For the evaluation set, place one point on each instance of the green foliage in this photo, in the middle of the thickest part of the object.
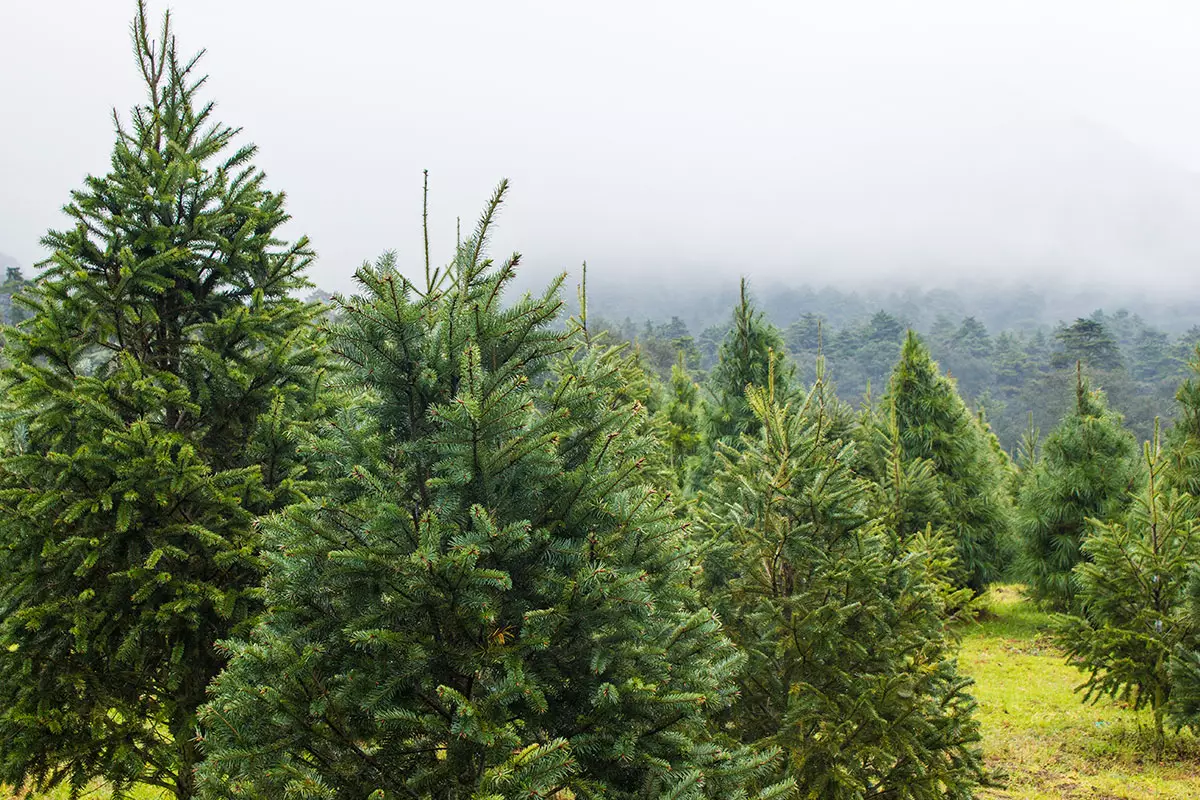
(1184, 437)
(1026, 365)
(1086, 471)
(752, 350)
(850, 671)
(1133, 591)
(1183, 475)
(14, 284)
(908, 498)
(682, 418)
(489, 600)
(933, 423)
(1087, 341)
(153, 401)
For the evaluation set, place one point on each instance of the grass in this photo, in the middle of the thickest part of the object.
(98, 793)
(1047, 744)
(1036, 730)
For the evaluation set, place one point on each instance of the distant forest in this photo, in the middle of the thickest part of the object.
(1012, 351)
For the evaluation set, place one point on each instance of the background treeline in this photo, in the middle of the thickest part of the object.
(1010, 374)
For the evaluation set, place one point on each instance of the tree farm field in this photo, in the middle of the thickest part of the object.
(1044, 743)
(1037, 734)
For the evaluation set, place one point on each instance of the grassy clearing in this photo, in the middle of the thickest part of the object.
(1037, 731)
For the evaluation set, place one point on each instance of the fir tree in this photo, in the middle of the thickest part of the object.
(1183, 475)
(1029, 450)
(751, 349)
(152, 403)
(934, 423)
(1086, 471)
(1087, 341)
(850, 672)
(489, 601)
(12, 313)
(908, 499)
(744, 359)
(1133, 590)
(682, 424)
(1184, 437)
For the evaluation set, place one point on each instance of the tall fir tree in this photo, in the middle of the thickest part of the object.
(682, 425)
(850, 670)
(752, 347)
(1086, 471)
(1184, 437)
(153, 401)
(490, 601)
(1133, 589)
(1182, 475)
(934, 423)
(908, 498)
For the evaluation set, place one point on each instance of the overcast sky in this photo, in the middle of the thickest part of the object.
(812, 140)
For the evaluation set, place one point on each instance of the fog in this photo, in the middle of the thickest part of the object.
(804, 142)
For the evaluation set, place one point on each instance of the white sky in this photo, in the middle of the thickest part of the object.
(810, 139)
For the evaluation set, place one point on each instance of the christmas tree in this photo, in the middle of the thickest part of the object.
(682, 425)
(749, 350)
(1086, 471)
(489, 600)
(153, 401)
(850, 670)
(1184, 438)
(932, 422)
(1133, 589)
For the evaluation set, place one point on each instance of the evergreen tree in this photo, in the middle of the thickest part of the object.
(752, 348)
(744, 359)
(850, 672)
(152, 404)
(1184, 437)
(908, 496)
(489, 601)
(1133, 590)
(682, 423)
(12, 313)
(804, 335)
(1086, 471)
(934, 423)
(1183, 475)
(1087, 341)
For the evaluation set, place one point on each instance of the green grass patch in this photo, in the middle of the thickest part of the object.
(1038, 732)
(99, 792)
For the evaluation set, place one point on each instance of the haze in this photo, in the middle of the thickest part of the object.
(810, 142)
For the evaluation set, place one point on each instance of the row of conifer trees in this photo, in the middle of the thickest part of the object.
(1110, 539)
(438, 541)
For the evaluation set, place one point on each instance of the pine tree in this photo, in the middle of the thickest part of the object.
(908, 496)
(1086, 471)
(489, 601)
(934, 423)
(682, 425)
(15, 283)
(1182, 474)
(153, 401)
(751, 348)
(744, 359)
(850, 672)
(1184, 438)
(1029, 451)
(1133, 590)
